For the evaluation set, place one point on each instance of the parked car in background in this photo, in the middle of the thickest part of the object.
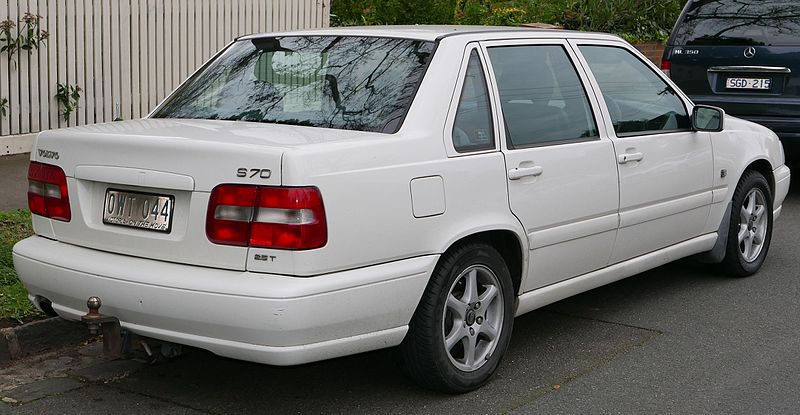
(742, 56)
(315, 194)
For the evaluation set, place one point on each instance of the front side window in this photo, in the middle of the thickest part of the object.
(472, 130)
(352, 83)
(542, 98)
(638, 100)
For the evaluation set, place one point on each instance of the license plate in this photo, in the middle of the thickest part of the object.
(748, 83)
(138, 210)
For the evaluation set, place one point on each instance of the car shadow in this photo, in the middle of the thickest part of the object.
(550, 346)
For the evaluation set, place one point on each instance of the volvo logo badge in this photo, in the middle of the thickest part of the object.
(750, 52)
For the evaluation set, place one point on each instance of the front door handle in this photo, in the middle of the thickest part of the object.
(520, 172)
(629, 157)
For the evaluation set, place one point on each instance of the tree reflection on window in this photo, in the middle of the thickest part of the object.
(355, 83)
(740, 22)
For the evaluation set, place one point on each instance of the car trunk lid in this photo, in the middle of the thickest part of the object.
(180, 161)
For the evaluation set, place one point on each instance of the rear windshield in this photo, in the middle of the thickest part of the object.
(353, 83)
(739, 22)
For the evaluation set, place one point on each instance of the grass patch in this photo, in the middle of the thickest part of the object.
(15, 225)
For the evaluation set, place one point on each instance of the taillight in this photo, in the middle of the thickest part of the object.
(267, 217)
(47, 191)
(666, 66)
(230, 212)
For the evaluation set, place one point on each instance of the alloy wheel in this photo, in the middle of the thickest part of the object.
(473, 318)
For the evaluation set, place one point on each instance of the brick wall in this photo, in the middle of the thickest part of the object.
(653, 51)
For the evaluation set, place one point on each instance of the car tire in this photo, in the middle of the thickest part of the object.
(462, 325)
(750, 229)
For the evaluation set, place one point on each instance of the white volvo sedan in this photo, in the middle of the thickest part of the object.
(315, 194)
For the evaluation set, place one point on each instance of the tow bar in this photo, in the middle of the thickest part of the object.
(118, 343)
(108, 325)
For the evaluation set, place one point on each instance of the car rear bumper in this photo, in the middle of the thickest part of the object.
(264, 318)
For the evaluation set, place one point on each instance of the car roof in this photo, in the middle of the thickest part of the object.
(433, 33)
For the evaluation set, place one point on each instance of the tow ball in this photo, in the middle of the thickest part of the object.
(107, 325)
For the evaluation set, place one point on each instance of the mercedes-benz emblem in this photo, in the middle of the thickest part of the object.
(750, 52)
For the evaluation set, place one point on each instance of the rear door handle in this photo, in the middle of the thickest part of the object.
(520, 172)
(629, 157)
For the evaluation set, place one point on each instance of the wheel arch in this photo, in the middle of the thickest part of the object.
(507, 243)
(421, 352)
(764, 167)
(717, 253)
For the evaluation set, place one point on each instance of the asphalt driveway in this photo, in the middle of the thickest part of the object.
(677, 339)
(14, 181)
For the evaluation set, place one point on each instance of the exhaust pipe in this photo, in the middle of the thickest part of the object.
(44, 304)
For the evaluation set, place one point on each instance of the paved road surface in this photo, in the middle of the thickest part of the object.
(678, 339)
(13, 182)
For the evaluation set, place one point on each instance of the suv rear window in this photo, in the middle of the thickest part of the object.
(739, 22)
(352, 83)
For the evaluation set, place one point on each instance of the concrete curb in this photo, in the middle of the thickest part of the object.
(39, 336)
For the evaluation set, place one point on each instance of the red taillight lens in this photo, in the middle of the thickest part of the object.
(666, 66)
(47, 191)
(230, 212)
(267, 217)
(289, 218)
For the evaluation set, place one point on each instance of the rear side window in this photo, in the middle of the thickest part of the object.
(739, 22)
(639, 101)
(473, 130)
(542, 98)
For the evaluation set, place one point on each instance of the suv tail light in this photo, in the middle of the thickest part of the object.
(47, 191)
(267, 217)
(666, 66)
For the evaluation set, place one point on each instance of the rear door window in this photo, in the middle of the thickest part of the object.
(740, 22)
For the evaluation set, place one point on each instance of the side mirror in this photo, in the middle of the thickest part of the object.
(707, 118)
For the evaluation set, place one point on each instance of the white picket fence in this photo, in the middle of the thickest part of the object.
(127, 55)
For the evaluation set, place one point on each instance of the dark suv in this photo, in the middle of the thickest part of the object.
(743, 56)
